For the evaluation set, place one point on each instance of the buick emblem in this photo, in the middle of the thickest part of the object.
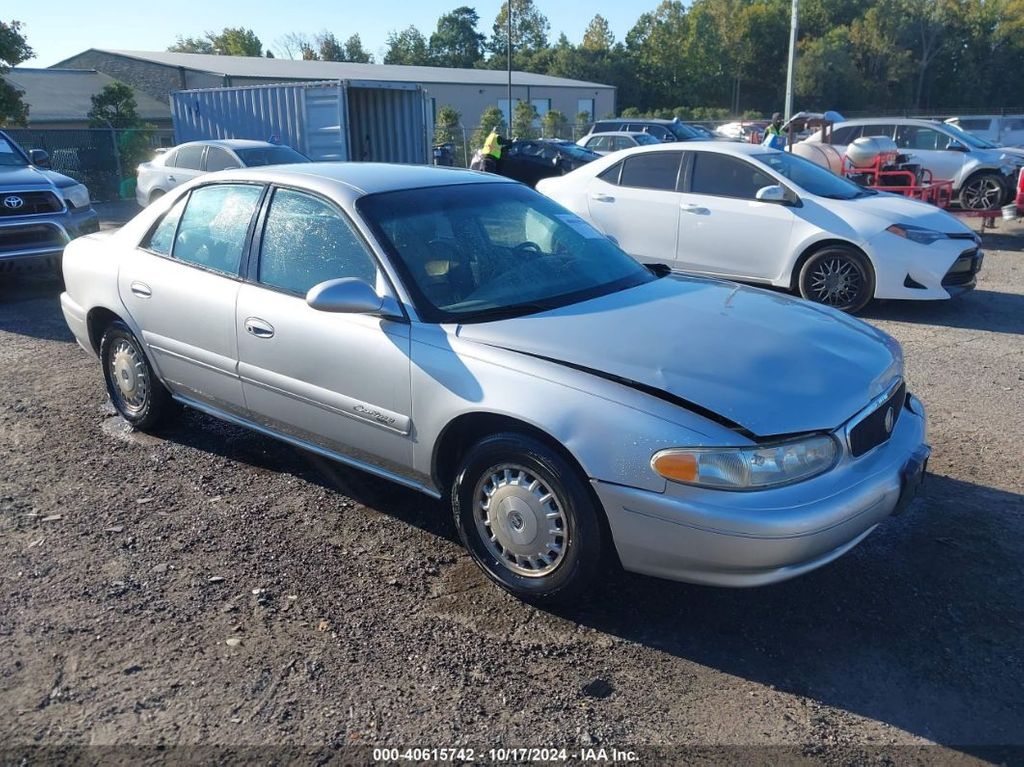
(13, 202)
(889, 418)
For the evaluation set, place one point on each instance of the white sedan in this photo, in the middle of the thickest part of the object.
(759, 215)
(191, 160)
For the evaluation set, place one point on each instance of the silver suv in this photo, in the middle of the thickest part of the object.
(983, 177)
(40, 210)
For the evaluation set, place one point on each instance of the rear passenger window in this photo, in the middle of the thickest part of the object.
(307, 241)
(654, 170)
(879, 130)
(213, 229)
(161, 238)
(189, 157)
(219, 159)
(724, 176)
(846, 135)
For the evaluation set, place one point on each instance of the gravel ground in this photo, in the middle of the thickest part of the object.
(211, 586)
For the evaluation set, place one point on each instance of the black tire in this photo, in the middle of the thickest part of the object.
(141, 399)
(576, 565)
(983, 191)
(838, 276)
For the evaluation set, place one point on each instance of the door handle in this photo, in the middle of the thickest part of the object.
(602, 197)
(141, 289)
(171, 178)
(259, 328)
(696, 210)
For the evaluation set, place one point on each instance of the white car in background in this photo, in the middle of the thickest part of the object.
(1000, 130)
(187, 161)
(749, 213)
(613, 141)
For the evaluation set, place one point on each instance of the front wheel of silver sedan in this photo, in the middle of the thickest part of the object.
(137, 394)
(526, 516)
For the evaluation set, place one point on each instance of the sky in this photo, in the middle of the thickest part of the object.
(57, 29)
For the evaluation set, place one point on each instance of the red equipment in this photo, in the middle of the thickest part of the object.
(887, 174)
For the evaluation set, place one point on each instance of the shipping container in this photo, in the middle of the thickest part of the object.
(326, 121)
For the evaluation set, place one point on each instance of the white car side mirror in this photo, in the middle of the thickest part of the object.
(349, 295)
(773, 193)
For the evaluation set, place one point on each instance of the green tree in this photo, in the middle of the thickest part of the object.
(328, 47)
(114, 107)
(355, 52)
(407, 47)
(524, 117)
(456, 43)
(598, 35)
(554, 124)
(14, 49)
(490, 119)
(529, 32)
(446, 125)
(230, 41)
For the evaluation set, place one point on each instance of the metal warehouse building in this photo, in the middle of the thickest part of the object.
(470, 91)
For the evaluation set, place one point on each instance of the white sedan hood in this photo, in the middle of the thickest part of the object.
(891, 209)
(768, 363)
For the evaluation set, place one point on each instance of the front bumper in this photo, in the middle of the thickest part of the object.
(754, 538)
(909, 271)
(38, 241)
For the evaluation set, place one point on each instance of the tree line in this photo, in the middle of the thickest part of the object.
(708, 58)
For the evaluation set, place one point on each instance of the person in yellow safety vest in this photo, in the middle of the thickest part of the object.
(775, 135)
(492, 151)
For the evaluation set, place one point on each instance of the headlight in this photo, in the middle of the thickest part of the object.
(76, 195)
(748, 468)
(916, 234)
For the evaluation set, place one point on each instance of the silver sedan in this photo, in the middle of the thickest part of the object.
(464, 336)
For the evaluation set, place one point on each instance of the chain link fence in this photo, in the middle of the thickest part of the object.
(104, 159)
(464, 140)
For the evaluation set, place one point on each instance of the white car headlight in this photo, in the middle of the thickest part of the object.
(748, 468)
(916, 234)
(77, 195)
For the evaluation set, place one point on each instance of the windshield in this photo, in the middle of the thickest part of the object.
(475, 252)
(580, 153)
(645, 138)
(682, 132)
(969, 138)
(277, 155)
(810, 177)
(9, 155)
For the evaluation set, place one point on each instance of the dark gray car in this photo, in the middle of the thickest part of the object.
(40, 210)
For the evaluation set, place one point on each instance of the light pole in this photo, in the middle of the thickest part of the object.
(792, 59)
(509, 20)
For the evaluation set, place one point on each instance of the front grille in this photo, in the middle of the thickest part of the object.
(30, 237)
(32, 203)
(963, 269)
(871, 431)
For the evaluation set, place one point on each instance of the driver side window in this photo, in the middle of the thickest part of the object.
(724, 176)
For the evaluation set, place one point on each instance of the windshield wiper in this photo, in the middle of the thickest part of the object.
(503, 312)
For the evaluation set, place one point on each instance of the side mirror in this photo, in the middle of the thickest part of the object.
(345, 296)
(39, 157)
(956, 146)
(773, 193)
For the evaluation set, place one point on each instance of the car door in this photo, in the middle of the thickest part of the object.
(635, 202)
(929, 147)
(723, 228)
(180, 288)
(340, 381)
(188, 164)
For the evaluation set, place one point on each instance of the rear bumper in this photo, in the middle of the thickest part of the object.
(756, 538)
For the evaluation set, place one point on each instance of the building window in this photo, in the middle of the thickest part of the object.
(585, 105)
(543, 106)
(506, 115)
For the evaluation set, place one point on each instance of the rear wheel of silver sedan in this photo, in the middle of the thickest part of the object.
(527, 517)
(137, 394)
(838, 276)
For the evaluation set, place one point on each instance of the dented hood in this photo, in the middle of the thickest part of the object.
(766, 362)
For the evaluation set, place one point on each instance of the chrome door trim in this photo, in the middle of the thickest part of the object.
(311, 447)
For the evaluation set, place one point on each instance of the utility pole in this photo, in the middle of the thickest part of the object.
(508, 5)
(793, 24)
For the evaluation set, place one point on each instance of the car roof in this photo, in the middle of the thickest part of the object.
(231, 143)
(653, 120)
(630, 133)
(891, 121)
(363, 177)
(724, 147)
